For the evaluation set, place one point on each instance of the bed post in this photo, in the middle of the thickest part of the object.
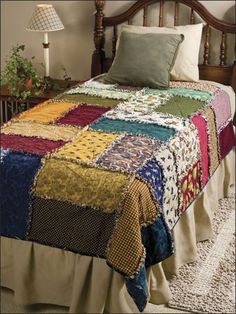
(98, 54)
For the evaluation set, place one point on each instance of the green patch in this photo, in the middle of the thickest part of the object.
(89, 100)
(181, 106)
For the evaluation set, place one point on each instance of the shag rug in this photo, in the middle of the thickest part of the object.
(208, 285)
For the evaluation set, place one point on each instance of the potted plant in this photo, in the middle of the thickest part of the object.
(21, 77)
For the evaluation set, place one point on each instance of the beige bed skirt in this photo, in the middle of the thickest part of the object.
(41, 274)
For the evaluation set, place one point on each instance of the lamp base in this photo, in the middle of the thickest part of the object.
(48, 83)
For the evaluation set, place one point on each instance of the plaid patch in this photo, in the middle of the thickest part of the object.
(125, 252)
(61, 224)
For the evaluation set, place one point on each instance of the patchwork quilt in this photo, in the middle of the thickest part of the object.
(108, 170)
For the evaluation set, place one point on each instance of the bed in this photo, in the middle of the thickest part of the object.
(107, 188)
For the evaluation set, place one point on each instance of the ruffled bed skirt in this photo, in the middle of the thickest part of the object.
(42, 274)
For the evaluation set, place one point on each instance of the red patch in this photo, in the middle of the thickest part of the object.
(31, 145)
(82, 115)
(190, 186)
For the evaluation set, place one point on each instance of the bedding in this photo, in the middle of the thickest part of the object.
(147, 58)
(186, 64)
(110, 177)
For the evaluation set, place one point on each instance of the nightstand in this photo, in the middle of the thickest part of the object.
(7, 105)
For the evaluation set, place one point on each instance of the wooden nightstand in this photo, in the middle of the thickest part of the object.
(7, 104)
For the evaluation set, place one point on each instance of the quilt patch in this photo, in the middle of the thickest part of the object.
(227, 140)
(130, 113)
(202, 86)
(213, 146)
(48, 111)
(41, 130)
(183, 92)
(155, 131)
(190, 186)
(168, 163)
(128, 153)
(82, 115)
(32, 145)
(125, 251)
(146, 103)
(201, 126)
(79, 229)
(220, 103)
(103, 93)
(87, 146)
(152, 173)
(18, 169)
(89, 100)
(181, 106)
(67, 181)
(186, 147)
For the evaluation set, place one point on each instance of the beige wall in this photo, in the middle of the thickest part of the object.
(73, 46)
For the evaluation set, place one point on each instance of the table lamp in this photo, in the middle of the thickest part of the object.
(45, 19)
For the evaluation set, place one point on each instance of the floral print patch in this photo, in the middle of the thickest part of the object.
(190, 186)
(128, 153)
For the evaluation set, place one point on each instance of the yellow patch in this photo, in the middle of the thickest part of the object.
(86, 146)
(81, 185)
(47, 111)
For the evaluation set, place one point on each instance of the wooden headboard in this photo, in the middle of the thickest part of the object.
(221, 72)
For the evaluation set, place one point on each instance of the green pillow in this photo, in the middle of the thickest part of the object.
(144, 59)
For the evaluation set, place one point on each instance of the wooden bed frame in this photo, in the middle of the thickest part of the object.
(222, 73)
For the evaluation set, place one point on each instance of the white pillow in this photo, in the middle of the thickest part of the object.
(186, 64)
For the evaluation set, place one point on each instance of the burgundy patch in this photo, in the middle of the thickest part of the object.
(227, 140)
(201, 126)
(83, 115)
(29, 144)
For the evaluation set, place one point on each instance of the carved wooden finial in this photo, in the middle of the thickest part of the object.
(161, 12)
(223, 49)
(192, 17)
(114, 40)
(206, 46)
(99, 29)
(145, 13)
(99, 39)
(176, 16)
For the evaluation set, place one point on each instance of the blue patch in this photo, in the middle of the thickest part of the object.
(152, 173)
(17, 175)
(157, 241)
(138, 289)
(156, 131)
